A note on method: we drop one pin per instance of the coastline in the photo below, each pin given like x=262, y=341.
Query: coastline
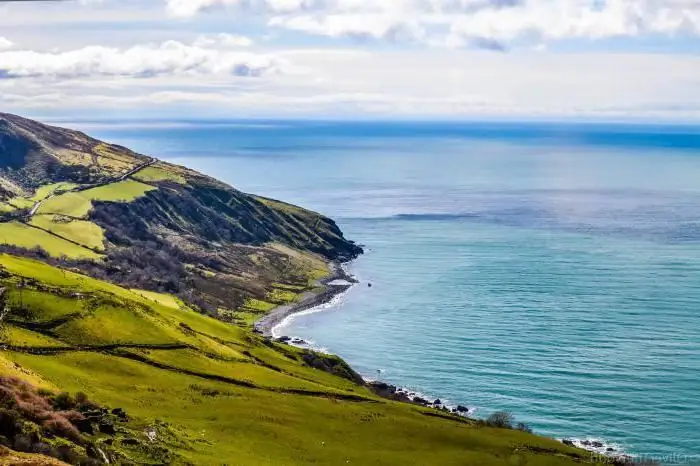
x=328, y=291
x=308, y=300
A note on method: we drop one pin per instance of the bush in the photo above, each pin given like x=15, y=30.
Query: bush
x=7, y=398
x=29, y=416
x=63, y=402
x=83, y=403
x=44, y=392
x=62, y=427
x=501, y=420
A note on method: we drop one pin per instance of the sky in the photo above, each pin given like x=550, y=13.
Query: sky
x=623, y=60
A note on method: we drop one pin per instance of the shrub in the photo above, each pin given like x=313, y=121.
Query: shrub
x=7, y=398
x=44, y=392
x=61, y=427
x=501, y=420
x=63, y=401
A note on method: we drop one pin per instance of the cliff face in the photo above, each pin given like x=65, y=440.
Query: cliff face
x=184, y=232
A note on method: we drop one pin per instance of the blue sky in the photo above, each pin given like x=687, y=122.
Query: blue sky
x=442, y=59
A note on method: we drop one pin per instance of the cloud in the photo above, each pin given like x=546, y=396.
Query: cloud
x=392, y=83
x=5, y=44
x=170, y=58
x=353, y=26
x=133, y=67
x=493, y=24
x=223, y=40
x=574, y=19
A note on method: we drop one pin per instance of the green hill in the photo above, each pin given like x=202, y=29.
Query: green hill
x=127, y=288
x=200, y=391
x=128, y=218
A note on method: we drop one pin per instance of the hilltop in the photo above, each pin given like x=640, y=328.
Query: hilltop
x=127, y=290
x=145, y=223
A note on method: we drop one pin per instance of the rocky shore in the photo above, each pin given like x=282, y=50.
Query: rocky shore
x=336, y=283
x=404, y=395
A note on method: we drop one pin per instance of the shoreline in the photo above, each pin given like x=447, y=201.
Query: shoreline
x=309, y=299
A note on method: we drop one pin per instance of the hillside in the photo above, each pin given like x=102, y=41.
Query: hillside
x=195, y=390
x=127, y=289
x=144, y=223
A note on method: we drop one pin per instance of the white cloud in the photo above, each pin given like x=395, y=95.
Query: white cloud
x=491, y=23
x=168, y=58
x=204, y=72
x=392, y=83
x=555, y=20
x=5, y=44
x=223, y=40
x=353, y=25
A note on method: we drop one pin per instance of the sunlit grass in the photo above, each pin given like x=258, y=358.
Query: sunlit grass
x=45, y=191
x=79, y=204
x=225, y=395
x=83, y=232
x=150, y=174
x=19, y=234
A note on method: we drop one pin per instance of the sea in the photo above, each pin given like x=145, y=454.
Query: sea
x=551, y=270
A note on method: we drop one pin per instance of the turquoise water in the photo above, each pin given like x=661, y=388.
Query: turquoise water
x=549, y=270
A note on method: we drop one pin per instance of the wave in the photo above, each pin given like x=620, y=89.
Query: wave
x=287, y=321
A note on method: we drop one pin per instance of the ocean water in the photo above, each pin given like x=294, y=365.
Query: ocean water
x=551, y=270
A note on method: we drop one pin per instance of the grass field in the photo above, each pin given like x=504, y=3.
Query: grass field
x=122, y=191
x=20, y=203
x=19, y=234
x=83, y=232
x=78, y=204
x=54, y=188
x=150, y=174
x=62, y=214
x=70, y=204
x=216, y=393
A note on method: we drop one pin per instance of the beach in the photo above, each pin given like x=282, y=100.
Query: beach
x=337, y=282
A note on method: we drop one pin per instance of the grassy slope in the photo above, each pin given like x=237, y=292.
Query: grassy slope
x=225, y=395
x=79, y=204
x=164, y=228
x=54, y=188
x=79, y=231
x=19, y=234
x=150, y=174
x=61, y=216
x=13, y=458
